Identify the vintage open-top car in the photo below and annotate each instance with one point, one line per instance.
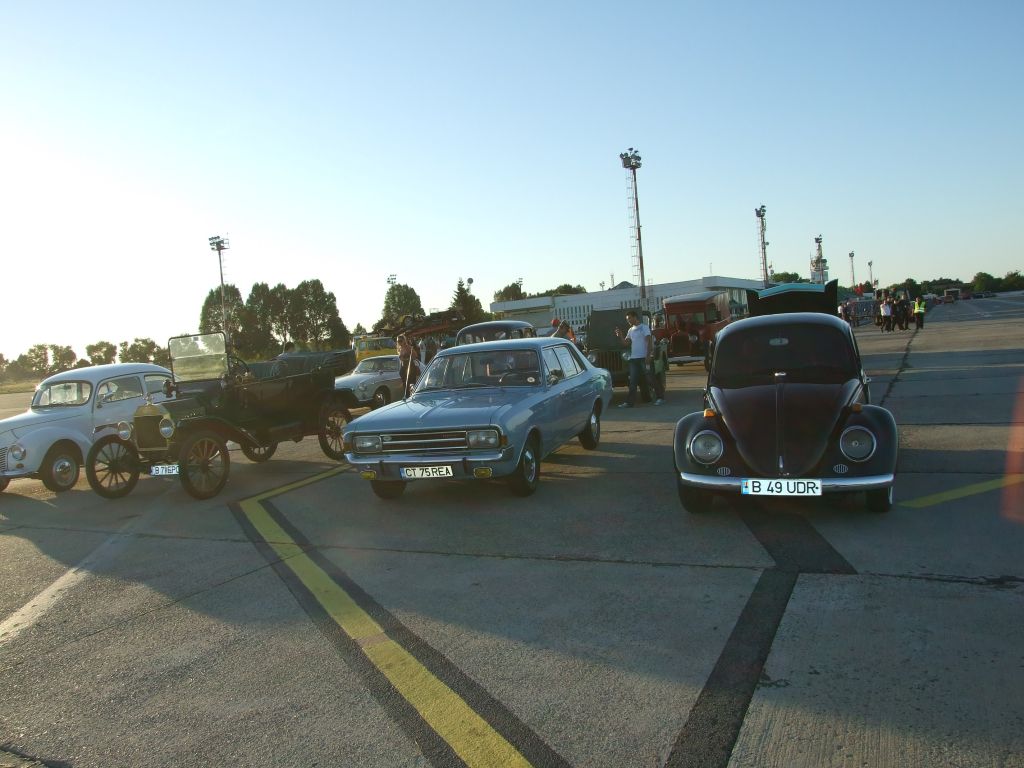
(215, 398)
(787, 413)
(479, 411)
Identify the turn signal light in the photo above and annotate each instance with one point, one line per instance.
(857, 407)
(482, 472)
(368, 474)
(709, 413)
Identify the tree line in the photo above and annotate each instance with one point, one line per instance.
(982, 281)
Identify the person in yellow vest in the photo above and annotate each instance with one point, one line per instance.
(919, 309)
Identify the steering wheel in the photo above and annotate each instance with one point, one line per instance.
(237, 365)
(513, 375)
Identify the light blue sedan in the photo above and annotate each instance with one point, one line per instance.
(481, 411)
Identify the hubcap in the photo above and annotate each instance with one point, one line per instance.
(64, 470)
(529, 465)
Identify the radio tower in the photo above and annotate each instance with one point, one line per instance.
(631, 161)
(759, 213)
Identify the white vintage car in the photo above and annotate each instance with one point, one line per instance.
(69, 411)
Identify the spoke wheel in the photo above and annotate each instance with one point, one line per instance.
(203, 465)
(112, 467)
(258, 454)
(333, 418)
(524, 480)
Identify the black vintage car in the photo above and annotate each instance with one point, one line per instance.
(215, 398)
(787, 413)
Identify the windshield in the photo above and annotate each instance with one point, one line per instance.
(198, 358)
(506, 367)
(64, 393)
(377, 364)
(374, 345)
(806, 353)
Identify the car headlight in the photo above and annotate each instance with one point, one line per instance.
(857, 443)
(592, 357)
(625, 356)
(166, 428)
(124, 430)
(17, 452)
(367, 444)
(694, 338)
(482, 438)
(707, 447)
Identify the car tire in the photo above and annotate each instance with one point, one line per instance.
(203, 464)
(258, 454)
(380, 398)
(591, 434)
(524, 480)
(879, 500)
(694, 500)
(112, 467)
(61, 467)
(333, 418)
(388, 489)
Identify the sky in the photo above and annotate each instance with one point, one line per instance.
(436, 141)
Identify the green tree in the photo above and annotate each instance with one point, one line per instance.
(278, 306)
(20, 369)
(511, 292)
(143, 351)
(4, 362)
(61, 358)
(210, 316)
(256, 334)
(467, 304)
(101, 353)
(788, 277)
(314, 316)
(911, 287)
(37, 359)
(400, 300)
(983, 281)
(1012, 282)
(358, 330)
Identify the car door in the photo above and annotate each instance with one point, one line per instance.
(558, 403)
(116, 400)
(578, 399)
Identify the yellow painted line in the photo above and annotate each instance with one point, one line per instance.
(960, 493)
(469, 735)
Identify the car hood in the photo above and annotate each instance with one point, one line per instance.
(782, 429)
(442, 410)
(353, 380)
(33, 419)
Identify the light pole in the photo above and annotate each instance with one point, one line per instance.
(853, 275)
(631, 161)
(219, 244)
(759, 213)
(871, 276)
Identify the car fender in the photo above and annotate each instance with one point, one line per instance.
(882, 424)
(224, 428)
(39, 441)
(686, 428)
(346, 397)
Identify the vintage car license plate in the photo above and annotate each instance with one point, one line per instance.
(163, 469)
(765, 487)
(416, 473)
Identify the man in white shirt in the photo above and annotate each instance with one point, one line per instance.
(639, 340)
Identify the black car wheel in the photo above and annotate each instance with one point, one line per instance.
(61, 467)
(523, 481)
(381, 398)
(258, 453)
(203, 464)
(333, 418)
(694, 500)
(112, 467)
(879, 500)
(591, 434)
(388, 489)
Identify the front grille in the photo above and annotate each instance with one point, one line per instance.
(425, 442)
(611, 361)
(3, 459)
(147, 433)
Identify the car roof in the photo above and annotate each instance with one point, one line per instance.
(378, 357)
(532, 342)
(496, 324)
(96, 373)
(784, 318)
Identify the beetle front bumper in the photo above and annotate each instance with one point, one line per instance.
(828, 484)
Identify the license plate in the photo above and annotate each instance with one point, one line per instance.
(766, 487)
(163, 469)
(418, 473)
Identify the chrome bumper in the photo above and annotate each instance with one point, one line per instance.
(501, 462)
(828, 484)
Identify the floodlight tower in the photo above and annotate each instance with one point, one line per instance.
(871, 276)
(392, 279)
(759, 213)
(853, 275)
(819, 265)
(219, 244)
(631, 161)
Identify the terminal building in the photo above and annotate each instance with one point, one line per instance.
(576, 308)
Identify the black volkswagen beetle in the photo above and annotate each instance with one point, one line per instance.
(787, 413)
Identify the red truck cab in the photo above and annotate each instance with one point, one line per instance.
(691, 321)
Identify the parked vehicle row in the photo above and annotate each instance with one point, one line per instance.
(787, 412)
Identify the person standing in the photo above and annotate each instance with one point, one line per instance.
(409, 363)
(887, 315)
(919, 309)
(639, 340)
